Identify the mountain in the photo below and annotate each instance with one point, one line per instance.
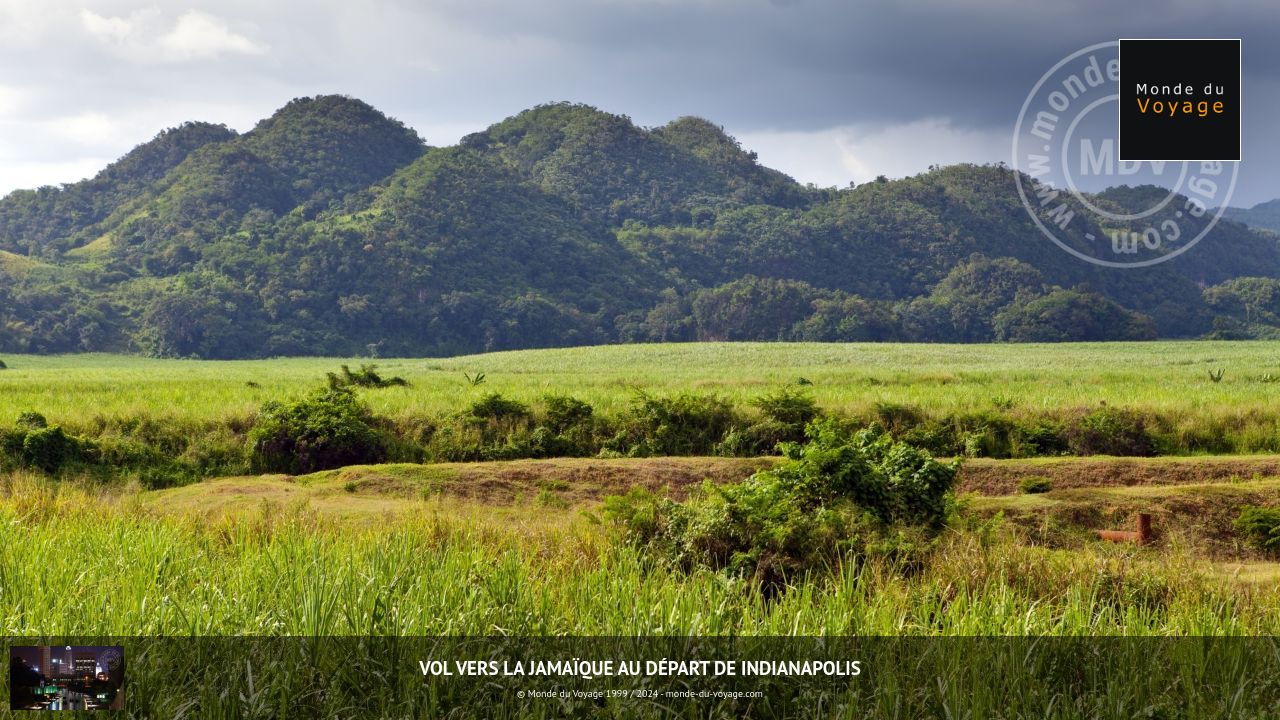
(31, 220)
(1263, 215)
(330, 228)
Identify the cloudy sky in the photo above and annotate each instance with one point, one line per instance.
(829, 91)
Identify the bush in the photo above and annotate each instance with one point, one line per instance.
(32, 420)
(1109, 431)
(50, 448)
(985, 434)
(838, 493)
(495, 407)
(1260, 527)
(565, 413)
(46, 448)
(898, 417)
(1035, 484)
(761, 438)
(786, 413)
(684, 424)
(11, 446)
(328, 429)
(366, 376)
(789, 407)
(3, 366)
(1043, 436)
(34, 443)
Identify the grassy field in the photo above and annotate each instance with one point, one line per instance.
(1171, 377)
(521, 548)
(318, 572)
(517, 547)
(311, 556)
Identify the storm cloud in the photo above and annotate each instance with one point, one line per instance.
(830, 92)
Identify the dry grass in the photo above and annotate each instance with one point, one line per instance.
(1195, 519)
(1001, 477)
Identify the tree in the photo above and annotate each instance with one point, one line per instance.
(1071, 315)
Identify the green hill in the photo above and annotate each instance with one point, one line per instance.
(31, 220)
(330, 228)
(1263, 215)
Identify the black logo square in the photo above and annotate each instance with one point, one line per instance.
(1179, 100)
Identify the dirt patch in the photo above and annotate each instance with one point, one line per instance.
(590, 480)
(1001, 477)
(1198, 519)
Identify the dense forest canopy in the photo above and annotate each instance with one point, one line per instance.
(332, 229)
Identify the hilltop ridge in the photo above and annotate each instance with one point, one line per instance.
(330, 228)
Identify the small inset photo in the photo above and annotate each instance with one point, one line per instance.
(66, 677)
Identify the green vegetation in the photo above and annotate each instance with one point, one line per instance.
(838, 495)
(325, 430)
(1263, 215)
(1035, 484)
(330, 229)
(433, 568)
(1261, 527)
(853, 534)
(366, 377)
(166, 421)
(684, 424)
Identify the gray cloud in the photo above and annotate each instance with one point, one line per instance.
(839, 82)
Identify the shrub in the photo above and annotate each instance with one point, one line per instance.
(565, 413)
(684, 424)
(49, 448)
(366, 376)
(1043, 436)
(495, 407)
(32, 420)
(785, 415)
(328, 429)
(544, 442)
(34, 443)
(3, 366)
(11, 446)
(936, 436)
(984, 434)
(788, 406)
(1109, 431)
(898, 417)
(492, 428)
(1260, 527)
(153, 467)
(1035, 484)
(837, 493)
(760, 438)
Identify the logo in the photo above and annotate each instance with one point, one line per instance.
(1101, 209)
(1180, 100)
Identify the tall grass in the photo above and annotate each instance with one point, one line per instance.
(76, 562)
(1165, 376)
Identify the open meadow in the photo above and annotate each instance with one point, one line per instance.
(1170, 377)
(528, 533)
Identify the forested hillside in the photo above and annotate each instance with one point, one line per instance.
(1263, 215)
(331, 229)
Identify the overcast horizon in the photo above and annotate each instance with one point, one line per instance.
(826, 93)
